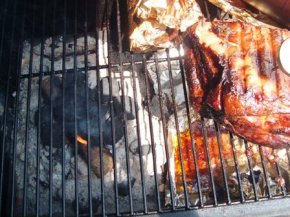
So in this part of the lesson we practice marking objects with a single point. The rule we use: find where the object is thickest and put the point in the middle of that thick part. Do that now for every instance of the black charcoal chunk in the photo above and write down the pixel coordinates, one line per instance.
(55, 86)
(129, 107)
(46, 125)
(72, 108)
(220, 193)
(84, 207)
(123, 189)
(106, 126)
(107, 132)
(256, 174)
(74, 104)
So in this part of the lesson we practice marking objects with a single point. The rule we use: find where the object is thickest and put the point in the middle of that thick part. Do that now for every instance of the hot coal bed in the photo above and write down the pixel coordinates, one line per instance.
(59, 113)
(94, 130)
(67, 117)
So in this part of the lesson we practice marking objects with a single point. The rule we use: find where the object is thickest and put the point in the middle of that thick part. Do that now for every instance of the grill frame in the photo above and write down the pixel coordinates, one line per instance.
(10, 120)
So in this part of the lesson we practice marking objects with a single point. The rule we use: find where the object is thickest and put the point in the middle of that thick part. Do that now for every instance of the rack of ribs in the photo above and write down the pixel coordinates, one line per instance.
(233, 76)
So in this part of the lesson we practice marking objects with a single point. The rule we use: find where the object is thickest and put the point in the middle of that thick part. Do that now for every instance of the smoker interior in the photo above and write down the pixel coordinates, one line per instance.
(61, 63)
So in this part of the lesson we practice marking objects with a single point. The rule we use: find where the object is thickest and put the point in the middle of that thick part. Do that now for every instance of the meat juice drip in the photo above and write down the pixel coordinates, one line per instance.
(271, 156)
(200, 146)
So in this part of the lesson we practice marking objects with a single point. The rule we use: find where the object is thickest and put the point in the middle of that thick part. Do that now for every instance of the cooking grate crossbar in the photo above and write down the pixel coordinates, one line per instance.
(14, 202)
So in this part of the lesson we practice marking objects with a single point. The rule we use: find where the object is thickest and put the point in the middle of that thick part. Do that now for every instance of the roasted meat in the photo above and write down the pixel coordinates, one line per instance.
(211, 147)
(200, 146)
(234, 151)
(234, 76)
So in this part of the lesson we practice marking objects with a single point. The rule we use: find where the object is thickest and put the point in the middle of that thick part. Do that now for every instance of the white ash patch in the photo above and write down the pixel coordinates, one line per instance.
(70, 50)
(164, 74)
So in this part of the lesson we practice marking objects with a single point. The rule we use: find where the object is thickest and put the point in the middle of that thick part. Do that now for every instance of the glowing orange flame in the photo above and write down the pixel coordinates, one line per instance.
(81, 140)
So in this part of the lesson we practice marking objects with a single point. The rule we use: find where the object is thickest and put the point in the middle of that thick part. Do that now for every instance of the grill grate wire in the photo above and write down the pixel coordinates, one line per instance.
(113, 131)
(120, 50)
(191, 132)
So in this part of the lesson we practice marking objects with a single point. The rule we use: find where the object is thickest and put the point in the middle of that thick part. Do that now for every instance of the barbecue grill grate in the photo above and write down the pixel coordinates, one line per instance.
(53, 25)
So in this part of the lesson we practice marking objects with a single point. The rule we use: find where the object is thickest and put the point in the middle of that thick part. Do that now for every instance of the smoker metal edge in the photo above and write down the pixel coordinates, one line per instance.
(274, 207)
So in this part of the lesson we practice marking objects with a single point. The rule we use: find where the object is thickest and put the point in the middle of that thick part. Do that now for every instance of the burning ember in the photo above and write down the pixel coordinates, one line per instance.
(81, 140)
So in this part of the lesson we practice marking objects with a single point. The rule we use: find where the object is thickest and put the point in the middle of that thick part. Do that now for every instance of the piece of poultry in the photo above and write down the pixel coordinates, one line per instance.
(233, 75)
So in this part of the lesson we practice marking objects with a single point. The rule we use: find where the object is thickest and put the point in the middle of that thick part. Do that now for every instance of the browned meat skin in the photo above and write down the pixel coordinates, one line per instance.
(233, 75)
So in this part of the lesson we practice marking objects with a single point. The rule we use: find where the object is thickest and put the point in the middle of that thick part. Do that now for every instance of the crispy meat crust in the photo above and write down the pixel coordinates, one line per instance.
(233, 75)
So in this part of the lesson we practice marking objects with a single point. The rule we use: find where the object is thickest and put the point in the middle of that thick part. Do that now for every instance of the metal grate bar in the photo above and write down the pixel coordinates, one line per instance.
(101, 135)
(218, 135)
(205, 141)
(242, 198)
(177, 130)
(190, 130)
(39, 111)
(63, 193)
(101, 129)
(138, 127)
(75, 109)
(112, 65)
(280, 176)
(249, 157)
(171, 187)
(151, 130)
(126, 146)
(27, 125)
(112, 122)
(88, 123)
(208, 16)
(148, 103)
(16, 118)
(265, 172)
(125, 123)
(51, 110)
